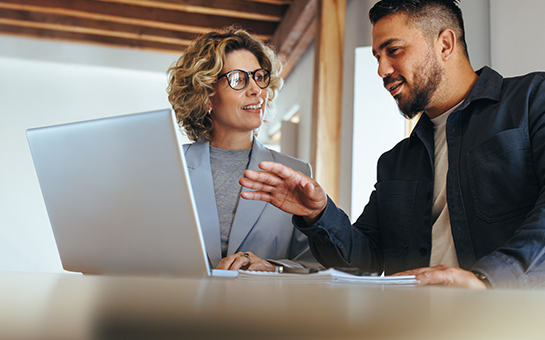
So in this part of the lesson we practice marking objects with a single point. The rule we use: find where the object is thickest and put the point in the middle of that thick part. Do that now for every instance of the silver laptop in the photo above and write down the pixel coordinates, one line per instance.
(119, 197)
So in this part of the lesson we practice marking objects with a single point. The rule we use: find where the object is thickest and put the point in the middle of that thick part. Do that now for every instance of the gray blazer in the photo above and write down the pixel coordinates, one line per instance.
(258, 227)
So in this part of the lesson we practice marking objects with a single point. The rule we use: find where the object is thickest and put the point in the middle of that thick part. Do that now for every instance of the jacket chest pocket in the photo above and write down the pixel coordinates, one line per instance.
(395, 206)
(501, 176)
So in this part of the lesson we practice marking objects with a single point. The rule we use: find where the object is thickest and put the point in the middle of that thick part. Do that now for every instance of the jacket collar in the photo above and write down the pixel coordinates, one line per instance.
(487, 86)
(248, 211)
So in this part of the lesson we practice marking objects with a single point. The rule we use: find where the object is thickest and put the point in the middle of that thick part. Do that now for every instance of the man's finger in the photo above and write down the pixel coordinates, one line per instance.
(263, 177)
(278, 169)
(257, 196)
(436, 277)
(255, 185)
(421, 270)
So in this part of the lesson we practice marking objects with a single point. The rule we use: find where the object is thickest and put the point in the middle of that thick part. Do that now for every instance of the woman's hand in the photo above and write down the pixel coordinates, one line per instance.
(245, 260)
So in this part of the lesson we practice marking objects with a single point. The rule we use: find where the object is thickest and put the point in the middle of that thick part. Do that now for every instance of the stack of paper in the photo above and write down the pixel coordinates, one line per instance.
(329, 276)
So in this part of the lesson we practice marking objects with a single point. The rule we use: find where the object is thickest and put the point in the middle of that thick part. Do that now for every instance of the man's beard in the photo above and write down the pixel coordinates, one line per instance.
(427, 77)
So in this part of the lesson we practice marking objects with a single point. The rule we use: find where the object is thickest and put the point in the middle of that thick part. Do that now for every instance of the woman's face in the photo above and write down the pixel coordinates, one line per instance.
(235, 112)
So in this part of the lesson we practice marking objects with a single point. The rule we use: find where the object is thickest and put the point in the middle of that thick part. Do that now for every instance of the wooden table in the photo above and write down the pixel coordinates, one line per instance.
(70, 306)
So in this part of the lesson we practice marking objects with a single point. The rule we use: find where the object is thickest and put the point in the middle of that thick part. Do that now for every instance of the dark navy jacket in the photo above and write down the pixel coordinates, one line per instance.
(495, 192)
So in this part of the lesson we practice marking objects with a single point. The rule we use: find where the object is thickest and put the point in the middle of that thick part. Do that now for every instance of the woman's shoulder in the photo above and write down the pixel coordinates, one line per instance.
(193, 145)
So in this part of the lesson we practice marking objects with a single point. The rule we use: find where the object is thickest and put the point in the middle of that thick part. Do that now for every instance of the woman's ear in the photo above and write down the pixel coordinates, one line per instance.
(446, 43)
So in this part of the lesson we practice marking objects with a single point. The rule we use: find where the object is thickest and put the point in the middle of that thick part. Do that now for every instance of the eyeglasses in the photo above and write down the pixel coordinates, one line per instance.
(238, 79)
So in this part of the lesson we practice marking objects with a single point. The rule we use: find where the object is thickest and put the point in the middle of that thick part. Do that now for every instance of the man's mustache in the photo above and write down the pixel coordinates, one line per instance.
(390, 79)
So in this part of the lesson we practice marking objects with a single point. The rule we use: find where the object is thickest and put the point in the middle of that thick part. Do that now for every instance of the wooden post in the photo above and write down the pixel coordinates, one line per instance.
(327, 95)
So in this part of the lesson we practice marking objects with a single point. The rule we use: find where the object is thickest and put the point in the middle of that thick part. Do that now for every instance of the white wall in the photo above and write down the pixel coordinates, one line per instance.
(297, 95)
(517, 36)
(357, 34)
(477, 24)
(377, 127)
(37, 93)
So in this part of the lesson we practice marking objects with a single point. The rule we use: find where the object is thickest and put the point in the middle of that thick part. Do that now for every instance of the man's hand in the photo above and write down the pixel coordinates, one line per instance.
(445, 275)
(286, 189)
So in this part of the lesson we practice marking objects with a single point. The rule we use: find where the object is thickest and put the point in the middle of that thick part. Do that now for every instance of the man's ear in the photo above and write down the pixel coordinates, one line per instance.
(446, 43)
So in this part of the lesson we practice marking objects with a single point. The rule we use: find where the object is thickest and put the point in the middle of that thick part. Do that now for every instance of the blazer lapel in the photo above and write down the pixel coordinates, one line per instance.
(248, 211)
(198, 164)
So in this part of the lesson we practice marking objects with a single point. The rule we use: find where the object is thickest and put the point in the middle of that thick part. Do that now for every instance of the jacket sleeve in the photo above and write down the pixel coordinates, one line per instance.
(336, 243)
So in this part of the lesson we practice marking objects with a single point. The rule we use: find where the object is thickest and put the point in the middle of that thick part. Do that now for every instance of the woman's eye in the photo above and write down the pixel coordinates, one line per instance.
(235, 79)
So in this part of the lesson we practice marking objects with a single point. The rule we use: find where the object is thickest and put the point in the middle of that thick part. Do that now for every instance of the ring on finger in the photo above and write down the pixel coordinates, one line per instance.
(247, 255)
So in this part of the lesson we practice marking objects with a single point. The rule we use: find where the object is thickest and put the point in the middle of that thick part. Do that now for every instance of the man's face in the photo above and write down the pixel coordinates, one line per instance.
(408, 64)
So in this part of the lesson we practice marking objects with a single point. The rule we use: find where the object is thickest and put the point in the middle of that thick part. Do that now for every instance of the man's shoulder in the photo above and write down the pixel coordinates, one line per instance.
(524, 86)
(491, 85)
(403, 147)
(531, 76)
(492, 76)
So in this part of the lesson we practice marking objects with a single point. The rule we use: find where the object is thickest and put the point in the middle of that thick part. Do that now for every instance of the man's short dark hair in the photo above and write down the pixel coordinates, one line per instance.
(431, 16)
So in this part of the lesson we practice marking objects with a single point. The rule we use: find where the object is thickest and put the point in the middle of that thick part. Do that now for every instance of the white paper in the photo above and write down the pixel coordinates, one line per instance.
(329, 276)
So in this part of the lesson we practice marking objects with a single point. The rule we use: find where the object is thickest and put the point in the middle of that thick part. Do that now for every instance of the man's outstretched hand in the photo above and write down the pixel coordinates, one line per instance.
(286, 189)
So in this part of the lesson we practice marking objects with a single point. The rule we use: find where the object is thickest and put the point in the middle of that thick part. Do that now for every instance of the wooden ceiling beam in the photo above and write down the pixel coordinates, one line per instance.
(138, 15)
(297, 19)
(230, 8)
(48, 22)
(305, 39)
(163, 25)
(295, 32)
(91, 38)
(275, 2)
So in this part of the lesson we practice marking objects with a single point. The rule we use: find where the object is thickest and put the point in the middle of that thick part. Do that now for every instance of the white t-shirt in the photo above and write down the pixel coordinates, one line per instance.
(443, 250)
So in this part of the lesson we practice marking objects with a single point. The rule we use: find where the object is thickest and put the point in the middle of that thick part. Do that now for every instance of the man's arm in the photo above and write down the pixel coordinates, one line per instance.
(332, 238)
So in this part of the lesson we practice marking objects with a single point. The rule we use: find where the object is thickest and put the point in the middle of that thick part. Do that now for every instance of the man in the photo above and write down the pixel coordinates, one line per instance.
(461, 202)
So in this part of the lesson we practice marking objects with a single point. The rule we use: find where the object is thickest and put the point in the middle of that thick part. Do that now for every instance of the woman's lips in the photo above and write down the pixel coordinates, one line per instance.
(252, 107)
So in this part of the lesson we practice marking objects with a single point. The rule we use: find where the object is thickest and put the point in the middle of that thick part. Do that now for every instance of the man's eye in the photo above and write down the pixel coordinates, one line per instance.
(393, 50)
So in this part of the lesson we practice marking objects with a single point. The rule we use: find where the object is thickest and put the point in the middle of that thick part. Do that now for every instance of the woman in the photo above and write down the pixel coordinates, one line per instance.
(220, 89)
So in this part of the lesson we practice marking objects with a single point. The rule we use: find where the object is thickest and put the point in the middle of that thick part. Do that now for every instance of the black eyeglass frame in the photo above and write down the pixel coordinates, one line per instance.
(248, 74)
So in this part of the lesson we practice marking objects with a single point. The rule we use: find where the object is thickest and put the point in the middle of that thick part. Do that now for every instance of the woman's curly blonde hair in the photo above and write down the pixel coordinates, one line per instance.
(192, 77)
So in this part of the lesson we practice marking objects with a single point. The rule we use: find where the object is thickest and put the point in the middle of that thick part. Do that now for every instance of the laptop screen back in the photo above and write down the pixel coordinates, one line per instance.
(119, 197)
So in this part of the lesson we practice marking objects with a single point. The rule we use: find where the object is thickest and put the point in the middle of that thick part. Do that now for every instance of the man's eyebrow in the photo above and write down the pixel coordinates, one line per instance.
(384, 45)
